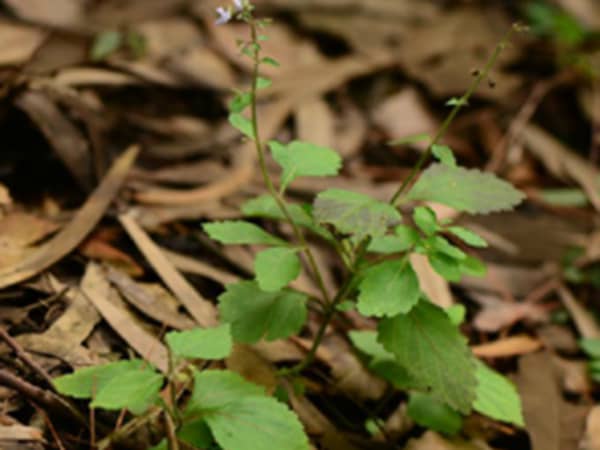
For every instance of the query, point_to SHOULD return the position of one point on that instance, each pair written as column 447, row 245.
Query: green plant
column 417, row 347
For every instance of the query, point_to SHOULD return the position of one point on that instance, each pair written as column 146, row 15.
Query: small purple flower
column 224, row 15
column 238, row 5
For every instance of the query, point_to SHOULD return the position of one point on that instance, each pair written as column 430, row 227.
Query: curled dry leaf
column 506, row 347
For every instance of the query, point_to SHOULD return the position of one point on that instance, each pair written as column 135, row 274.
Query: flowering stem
column 265, row 173
column 462, row 101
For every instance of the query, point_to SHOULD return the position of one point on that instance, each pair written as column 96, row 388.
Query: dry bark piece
column 77, row 229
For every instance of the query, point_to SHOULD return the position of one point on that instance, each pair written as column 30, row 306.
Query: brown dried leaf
column 511, row 346
column 125, row 324
column 203, row 311
column 75, row 231
column 18, row 43
column 433, row 441
column 62, row 13
column 563, row 162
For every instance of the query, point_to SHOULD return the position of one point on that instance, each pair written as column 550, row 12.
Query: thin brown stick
column 24, row 356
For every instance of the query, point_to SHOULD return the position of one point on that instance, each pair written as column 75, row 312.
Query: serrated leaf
column 468, row 237
column 276, row 267
column 444, row 154
column 497, row 397
column 388, row 288
column 383, row 363
column 86, row 382
column 214, row 389
column 105, row 44
column 429, row 412
column 466, row 190
column 266, row 207
column 405, row 238
column 302, row 159
column 205, row 343
column 434, row 352
column 135, row 390
column 242, row 124
column 426, row 220
column 254, row 314
column 241, row 417
column 195, row 433
column 240, row 232
column 355, row 214
column 240, row 102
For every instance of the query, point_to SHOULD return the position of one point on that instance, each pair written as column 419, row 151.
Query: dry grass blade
column 108, row 303
column 199, row 308
column 73, row 233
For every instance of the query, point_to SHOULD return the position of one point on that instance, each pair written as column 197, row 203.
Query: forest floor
column 117, row 148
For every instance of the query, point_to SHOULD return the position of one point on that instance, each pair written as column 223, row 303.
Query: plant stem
column 462, row 101
column 265, row 172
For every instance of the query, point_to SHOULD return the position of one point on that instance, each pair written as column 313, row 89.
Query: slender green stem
column 265, row 172
column 462, row 101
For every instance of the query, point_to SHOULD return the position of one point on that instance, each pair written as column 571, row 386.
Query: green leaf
column 429, row 412
column 136, row 43
column 241, row 417
column 472, row 266
column 434, row 352
column 266, row 207
column 86, row 382
column 240, row 102
column 276, row 267
column 195, row 433
column 591, row 347
column 270, row 61
column 444, row 154
column 135, row 390
column 263, row 83
column 426, row 220
column 466, row 190
column 497, row 397
column 240, row 232
column 355, row 214
column 456, row 313
column 441, row 245
column 105, row 44
column 214, row 389
column 447, row 267
column 403, row 239
column 204, row 343
column 467, row 236
column 302, row 159
column 388, row 288
column 254, row 314
column 383, row 363
column 242, row 124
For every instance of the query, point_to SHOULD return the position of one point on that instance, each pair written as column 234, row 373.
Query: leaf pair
column 275, row 267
